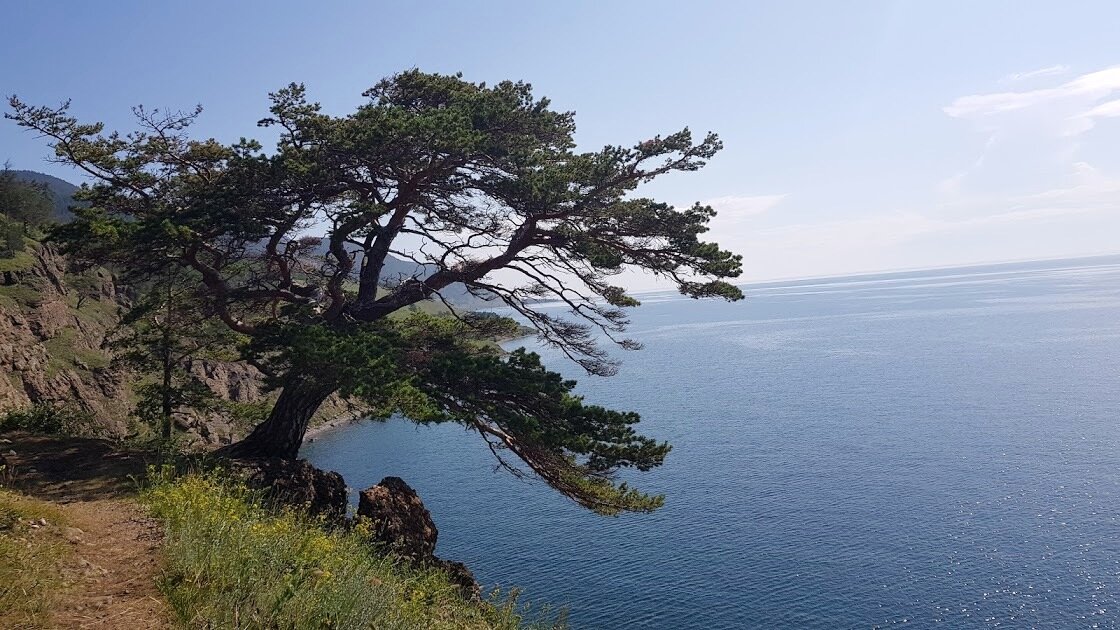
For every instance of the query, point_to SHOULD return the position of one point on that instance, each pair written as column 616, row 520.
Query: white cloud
column 1048, row 71
column 735, row 207
column 1076, row 98
column 1111, row 109
column 1091, row 191
column 952, row 185
column 1033, row 136
column 1023, row 189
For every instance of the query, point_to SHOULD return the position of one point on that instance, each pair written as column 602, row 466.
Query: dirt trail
column 111, row 574
column 113, row 569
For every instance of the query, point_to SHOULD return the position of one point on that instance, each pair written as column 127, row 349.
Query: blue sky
column 860, row 136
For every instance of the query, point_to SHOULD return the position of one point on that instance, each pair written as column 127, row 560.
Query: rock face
column 51, row 336
column 296, row 483
column 234, row 381
column 401, row 522
column 54, row 323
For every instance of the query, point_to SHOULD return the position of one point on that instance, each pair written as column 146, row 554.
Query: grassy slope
column 30, row 581
column 233, row 563
column 224, row 561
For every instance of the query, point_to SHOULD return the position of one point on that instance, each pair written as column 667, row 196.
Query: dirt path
column 111, row 575
column 113, row 570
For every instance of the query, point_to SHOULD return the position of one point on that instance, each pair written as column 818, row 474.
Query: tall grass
column 30, row 580
column 234, row 563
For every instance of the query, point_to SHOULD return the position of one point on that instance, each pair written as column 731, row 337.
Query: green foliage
column 472, row 182
column 161, row 334
column 247, row 415
column 51, row 418
column 438, row 369
column 61, row 192
column 24, row 203
column 86, row 285
column 233, row 563
column 187, row 394
column 65, row 351
column 12, row 242
column 496, row 327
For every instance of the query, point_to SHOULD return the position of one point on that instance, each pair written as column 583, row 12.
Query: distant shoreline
column 351, row 418
column 331, row 425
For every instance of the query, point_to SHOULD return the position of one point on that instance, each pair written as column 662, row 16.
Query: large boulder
column 296, row 483
column 399, row 521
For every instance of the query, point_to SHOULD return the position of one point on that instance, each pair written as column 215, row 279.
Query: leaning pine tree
column 480, row 185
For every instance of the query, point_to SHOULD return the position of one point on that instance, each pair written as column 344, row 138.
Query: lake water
column 938, row 448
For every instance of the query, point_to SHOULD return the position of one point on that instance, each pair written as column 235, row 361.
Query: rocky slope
column 53, row 326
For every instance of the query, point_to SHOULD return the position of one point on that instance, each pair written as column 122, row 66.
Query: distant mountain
column 62, row 192
column 398, row 269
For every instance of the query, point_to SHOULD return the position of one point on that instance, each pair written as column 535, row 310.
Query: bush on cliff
column 51, row 419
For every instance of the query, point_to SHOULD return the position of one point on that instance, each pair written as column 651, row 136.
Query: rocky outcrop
column 230, row 380
column 54, row 322
column 50, row 346
column 295, row 483
column 462, row 577
column 399, row 521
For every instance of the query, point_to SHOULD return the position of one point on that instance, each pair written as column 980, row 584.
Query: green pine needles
column 479, row 186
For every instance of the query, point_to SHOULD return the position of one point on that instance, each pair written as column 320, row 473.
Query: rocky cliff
column 54, row 322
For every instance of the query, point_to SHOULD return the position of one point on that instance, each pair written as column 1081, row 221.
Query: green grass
column 30, row 579
column 64, row 353
column 18, row 262
column 430, row 307
column 103, row 313
column 19, row 296
column 232, row 562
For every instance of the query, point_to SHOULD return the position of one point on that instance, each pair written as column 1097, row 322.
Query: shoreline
column 319, row 430
column 352, row 417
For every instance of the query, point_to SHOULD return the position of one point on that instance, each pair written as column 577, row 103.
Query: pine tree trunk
column 282, row 433
column 167, row 406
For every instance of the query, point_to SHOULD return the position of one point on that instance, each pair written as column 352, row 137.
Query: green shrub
column 246, row 415
column 51, row 418
column 11, row 239
column 231, row 562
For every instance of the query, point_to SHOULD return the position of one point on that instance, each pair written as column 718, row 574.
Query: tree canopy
column 23, row 206
column 24, row 202
column 481, row 185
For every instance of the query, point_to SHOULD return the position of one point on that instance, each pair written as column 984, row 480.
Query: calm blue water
column 930, row 449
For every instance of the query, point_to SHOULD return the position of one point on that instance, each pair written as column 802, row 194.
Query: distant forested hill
column 397, row 270
column 62, row 191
